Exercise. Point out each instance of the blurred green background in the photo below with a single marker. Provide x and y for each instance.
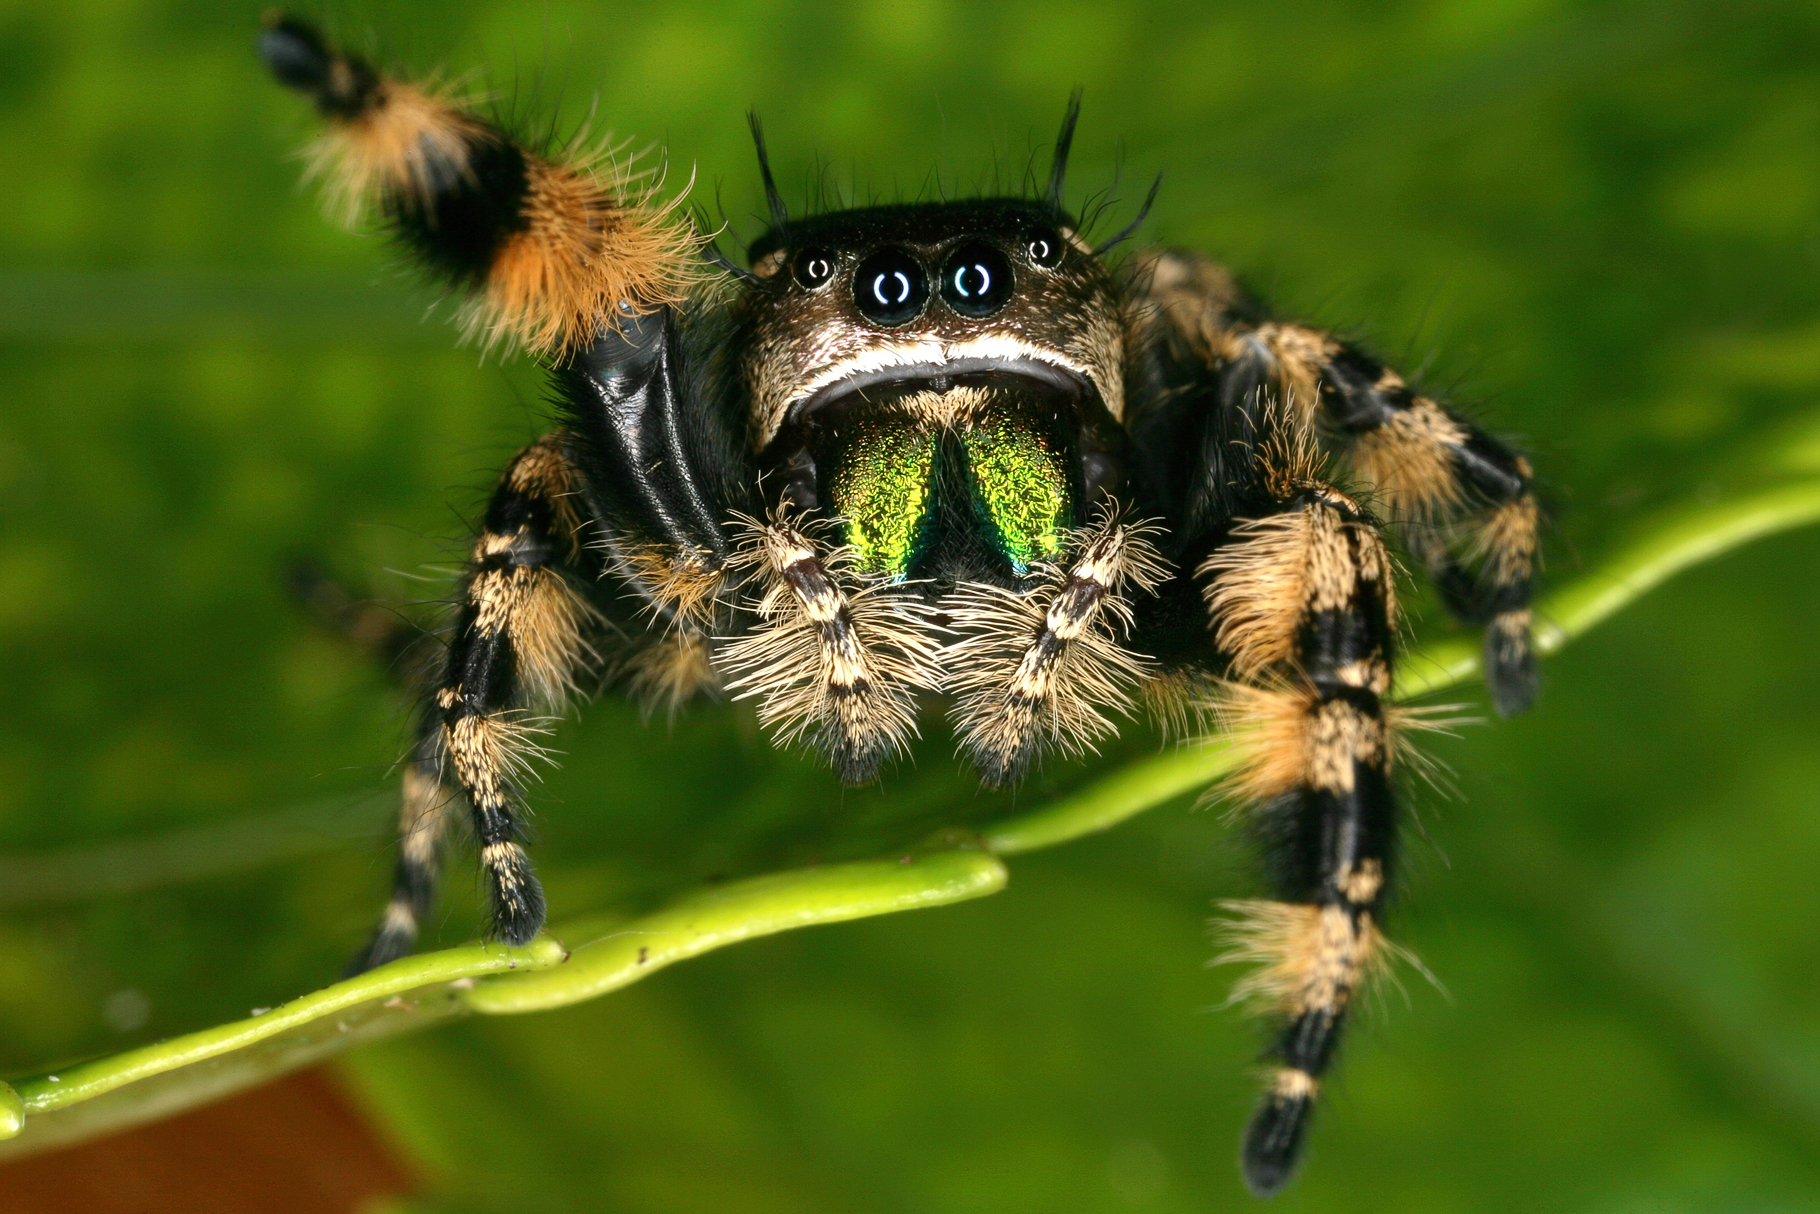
(1598, 222)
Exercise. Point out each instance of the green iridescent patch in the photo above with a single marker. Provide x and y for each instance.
(881, 487)
(1020, 489)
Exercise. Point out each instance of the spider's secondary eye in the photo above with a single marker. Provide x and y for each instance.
(890, 287)
(813, 267)
(1044, 248)
(977, 280)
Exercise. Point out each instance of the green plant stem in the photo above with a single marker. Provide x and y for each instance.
(86, 1080)
(12, 1111)
(741, 911)
(104, 1094)
(156, 1080)
(1683, 538)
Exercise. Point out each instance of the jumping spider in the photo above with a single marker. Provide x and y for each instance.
(932, 448)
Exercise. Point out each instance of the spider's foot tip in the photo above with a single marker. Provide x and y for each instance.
(858, 773)
(518, 926)
(1509, 700)
(857, 764)
(386, 946)
(1001, 769)
(516, 921)
(1513, 679)
(1273, 1142)
(1510, 663)
(297, 55)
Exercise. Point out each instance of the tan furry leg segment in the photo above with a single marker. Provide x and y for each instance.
(684, 592)
(841, 669)
(549, 249)
(1302, 604)
(1040, 667)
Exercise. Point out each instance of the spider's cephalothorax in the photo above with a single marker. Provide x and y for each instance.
(938, 450)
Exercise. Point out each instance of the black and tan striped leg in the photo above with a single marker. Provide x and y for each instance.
(548, 248)
(1042, 668)
(1462, 498)
(831, 661)
(520, 643)
(427, 805)
(1302, 603)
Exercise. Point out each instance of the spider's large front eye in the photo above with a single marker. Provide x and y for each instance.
(890, 287)
(1044, 248)
(977, 280)
(812, 267)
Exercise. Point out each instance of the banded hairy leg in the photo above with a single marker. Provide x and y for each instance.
(546, 248)
(1462, 498)
(569, 260)
(575, 265)
(1302, 603)
(426, 800)
(1298, 591)
(520, 645)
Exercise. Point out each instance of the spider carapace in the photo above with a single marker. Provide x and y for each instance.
(944, 449)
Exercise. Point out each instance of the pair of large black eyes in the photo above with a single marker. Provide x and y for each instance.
(890, 288)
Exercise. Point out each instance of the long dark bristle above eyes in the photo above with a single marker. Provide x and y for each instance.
(1058, 164)
(1124, 233)
(774, 199)
(711, 253)
(1273, 1141)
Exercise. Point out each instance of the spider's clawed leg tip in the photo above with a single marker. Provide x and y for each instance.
(518, 926)
(1513, 698)
(358, 966)
(1273, 1141)
(1000, 770)
(386, 946)
(1513, 677)
(295, 52)
(858, 767)
(519, 916)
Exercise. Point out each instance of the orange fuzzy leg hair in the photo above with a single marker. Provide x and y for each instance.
(550, 251)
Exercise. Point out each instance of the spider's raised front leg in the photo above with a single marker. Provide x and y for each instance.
(576, 265)
(520, 643)
(1462, 498)
(546, 249)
